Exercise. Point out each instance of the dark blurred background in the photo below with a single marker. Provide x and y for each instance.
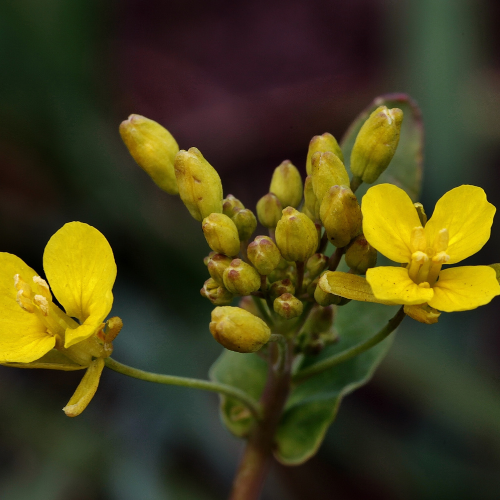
(249, 84)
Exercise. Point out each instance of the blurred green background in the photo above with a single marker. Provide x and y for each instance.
(248, 84)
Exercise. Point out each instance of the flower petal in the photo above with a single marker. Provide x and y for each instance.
(468, 216)
(388, 219)
(23, 337)
(464, 288)
(394, 285)
(81, 270)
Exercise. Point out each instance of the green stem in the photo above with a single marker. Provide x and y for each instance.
(335, 259)
(353, 351)
(193, 383)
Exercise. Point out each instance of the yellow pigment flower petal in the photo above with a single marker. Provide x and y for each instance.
(388, 220)
(464, 288)
(467, 215)
(23, 336)
(393, 284)
(81, 269)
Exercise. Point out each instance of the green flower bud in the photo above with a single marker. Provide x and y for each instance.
(341, 215)
(269, 210)
(316, 264)
(321, 144)
(324, 298)
(217, 264)
(241, 278)
(421, 213)
(245, 222)
(311, 287)
(153, 148)
(280, 287)
(286, 184)
(282, 274)
(296, 236)
(215, 293)
(221, 234)
(311, 202)
(376, 143)
(327, 171)
(230, 204)
(263, 254)
(318, 331)
(238, 330)
(360, 255)
(208, 257)
(288, 306)
(200, 187)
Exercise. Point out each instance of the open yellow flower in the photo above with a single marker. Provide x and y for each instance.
(458, 228)
(36, 333)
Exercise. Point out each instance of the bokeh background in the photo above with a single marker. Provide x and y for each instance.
(248, 83)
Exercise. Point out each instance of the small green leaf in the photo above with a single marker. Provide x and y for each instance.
(247, 372)
(313, 405)
(405, 169)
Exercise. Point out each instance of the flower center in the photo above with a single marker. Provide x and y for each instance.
(427, 260)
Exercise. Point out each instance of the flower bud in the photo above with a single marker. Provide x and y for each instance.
(241, 278)
(238, 330)
(280, 287)
(360, 255)
(288, 273)
(422, 216)
(296, 236)
(327, 171)
(221, 234)
(423, 313)
(215, 293)
(376, 143)
(269, 210)
(322, 143)
(206, 259)
(263, 254)
(153, 148)
(324, 298)
(288, 306)
(245, 222)
(248, 303)
(311, 202)
(341, 215)
(316, 264)
(217, 264)
(230, 204)
(286, 184)
(318, 331)
(200, 187)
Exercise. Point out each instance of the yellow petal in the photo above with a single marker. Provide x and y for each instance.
(81, 270)
(53, 360)
(464, 288)
(393, 284)
(23, 337)
(467, 215)
(388, 219)
(85, 390)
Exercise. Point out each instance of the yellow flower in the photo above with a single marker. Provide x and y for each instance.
(36, 333)
(458, 228)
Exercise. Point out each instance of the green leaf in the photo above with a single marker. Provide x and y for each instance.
(405, 169)
(247, 372)
(313, 405)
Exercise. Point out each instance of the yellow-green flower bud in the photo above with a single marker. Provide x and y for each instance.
(240, 278)
(327, 171)
(280, 287)
(341, 215)
(281, 274)
(322, 143)
(296, 236)
(153, 148)
(496, 267)
(269, 210)
(288, 306)
(360, 255)
(316, 264)
(264, 254)
(318, 331)
(376, 143)
(215, 293)
(221, 234)
(311, 202)
(286, 184)
(311, 287)
(238, 330)
(324, 298)
(245, 222)
(423, 313)
(200, 187)
(206, 259)
(421, 213)
(217, 264)
(230, 204)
